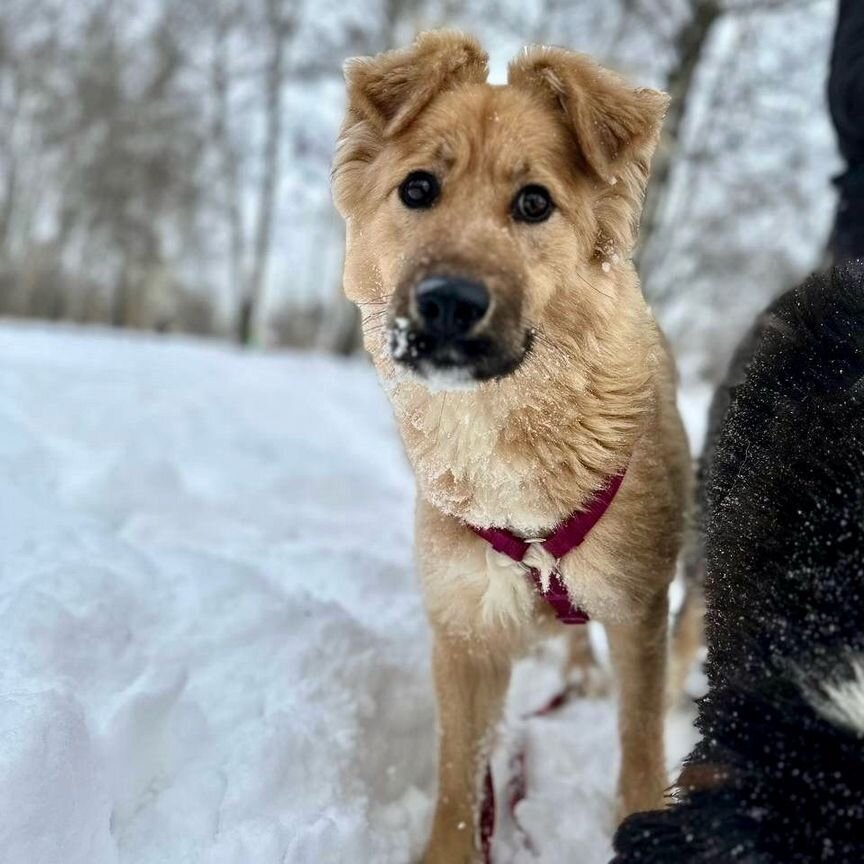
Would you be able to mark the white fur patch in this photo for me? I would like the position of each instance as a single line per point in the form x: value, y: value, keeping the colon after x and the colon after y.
x: 508, y: 595
x: 544, y: 561
x: 446, y: 380
x: 843, y: 702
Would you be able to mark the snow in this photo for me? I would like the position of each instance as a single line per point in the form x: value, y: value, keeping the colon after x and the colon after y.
x: 214, y: 648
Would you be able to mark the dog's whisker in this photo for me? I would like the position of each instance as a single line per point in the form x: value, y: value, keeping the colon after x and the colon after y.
x: 556, y: 349
x: 440, y: 416
x: 370, y: 316
x: 376, y: 328
x: 593, y: 287
x: 544, y: 340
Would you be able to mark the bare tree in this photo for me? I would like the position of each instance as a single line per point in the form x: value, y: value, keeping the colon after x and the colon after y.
x: 279, y: 26
x: 9, y: 179
x: 228, y: 16
x: 688, y: 45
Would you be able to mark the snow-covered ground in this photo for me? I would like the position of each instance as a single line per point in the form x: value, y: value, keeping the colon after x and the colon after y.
x: 212, y: 645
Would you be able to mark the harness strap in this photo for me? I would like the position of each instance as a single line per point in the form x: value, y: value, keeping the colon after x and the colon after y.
x: 567, y: 536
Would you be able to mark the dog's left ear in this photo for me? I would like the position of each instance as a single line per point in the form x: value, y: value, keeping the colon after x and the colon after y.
x: 615, y: 131
x: 612, y: 122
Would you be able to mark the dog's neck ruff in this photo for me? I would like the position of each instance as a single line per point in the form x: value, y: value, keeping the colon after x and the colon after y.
x: 565, y: 537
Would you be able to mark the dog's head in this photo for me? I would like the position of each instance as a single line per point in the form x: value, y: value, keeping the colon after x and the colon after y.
x: 470, y: 207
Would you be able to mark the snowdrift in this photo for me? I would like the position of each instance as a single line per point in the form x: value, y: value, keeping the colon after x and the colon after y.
x: 213, y: 649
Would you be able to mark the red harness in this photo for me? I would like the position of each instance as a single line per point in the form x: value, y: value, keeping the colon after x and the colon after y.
x: 567, y: 536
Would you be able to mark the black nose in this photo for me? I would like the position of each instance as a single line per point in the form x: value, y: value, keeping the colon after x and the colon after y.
x: 450, y: 306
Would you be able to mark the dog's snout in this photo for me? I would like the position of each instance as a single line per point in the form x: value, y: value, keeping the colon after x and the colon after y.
x: 450, y: 306
x: 454, y: 331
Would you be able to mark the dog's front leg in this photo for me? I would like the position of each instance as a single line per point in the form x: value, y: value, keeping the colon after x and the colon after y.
x: 638, y: 651
x: 471, y: 684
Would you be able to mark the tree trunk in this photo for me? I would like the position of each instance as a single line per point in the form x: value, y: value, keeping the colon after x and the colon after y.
x: 228, y: 159
x: 689, y: 46
x: 250, y: 309
x: 10, y: 180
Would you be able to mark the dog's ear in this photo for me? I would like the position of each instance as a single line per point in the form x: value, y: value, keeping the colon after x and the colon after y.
x: 615, y: 130
x: 386, y: 93
x: 391, y: 89
x: 612, y: 122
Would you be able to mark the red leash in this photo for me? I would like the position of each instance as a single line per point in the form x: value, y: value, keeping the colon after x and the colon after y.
x: 517, y: 787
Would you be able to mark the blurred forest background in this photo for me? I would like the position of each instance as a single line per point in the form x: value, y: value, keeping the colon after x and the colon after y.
x: 164, y: 163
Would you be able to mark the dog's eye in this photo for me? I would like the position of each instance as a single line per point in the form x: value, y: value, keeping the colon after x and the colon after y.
x: 532, y: 204
x: 419, y: 189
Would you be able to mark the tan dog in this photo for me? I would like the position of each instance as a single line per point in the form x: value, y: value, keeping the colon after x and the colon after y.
x: 489, y: 233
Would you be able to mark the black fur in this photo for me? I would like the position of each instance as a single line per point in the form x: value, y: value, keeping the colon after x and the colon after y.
x: 773, y: 781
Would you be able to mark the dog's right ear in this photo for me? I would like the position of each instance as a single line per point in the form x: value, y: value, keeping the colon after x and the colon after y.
x: 391, y: 89
x: 386, y: 93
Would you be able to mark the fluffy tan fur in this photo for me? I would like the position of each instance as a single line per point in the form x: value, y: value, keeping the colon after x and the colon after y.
x: 596, y: 393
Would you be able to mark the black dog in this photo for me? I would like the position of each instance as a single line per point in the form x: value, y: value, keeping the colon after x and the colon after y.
x: 778, y: 776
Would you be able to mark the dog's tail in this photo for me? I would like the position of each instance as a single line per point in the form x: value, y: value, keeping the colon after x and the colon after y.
x: 779, y: 773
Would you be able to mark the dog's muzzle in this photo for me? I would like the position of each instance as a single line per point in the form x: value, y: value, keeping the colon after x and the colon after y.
x: 448, y: 338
